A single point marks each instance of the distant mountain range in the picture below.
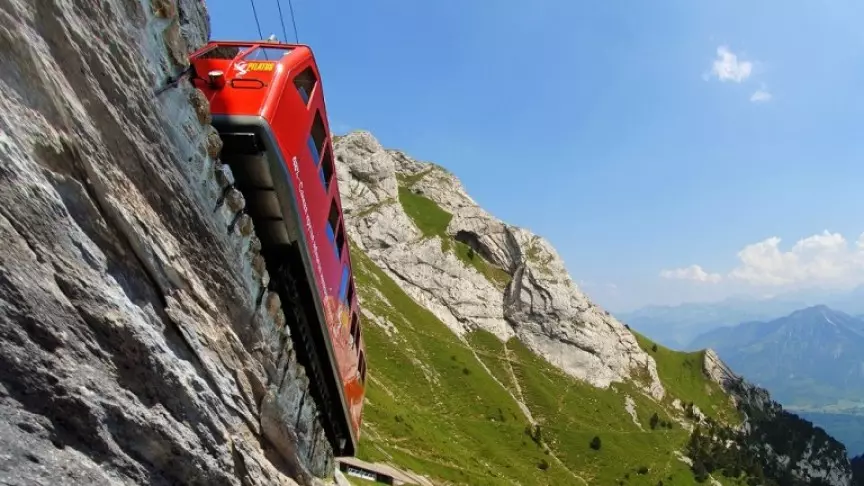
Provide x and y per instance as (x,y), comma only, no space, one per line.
(677,326)
(812,361)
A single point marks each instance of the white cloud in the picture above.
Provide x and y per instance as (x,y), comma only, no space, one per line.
(727,67)
(693,272)
(825,259)
(761,96)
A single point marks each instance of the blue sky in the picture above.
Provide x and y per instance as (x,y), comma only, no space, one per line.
(600,126)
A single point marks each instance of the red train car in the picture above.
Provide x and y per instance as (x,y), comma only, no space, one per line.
(268,105)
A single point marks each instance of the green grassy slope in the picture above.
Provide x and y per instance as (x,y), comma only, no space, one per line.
(447,407)
(434,408)
(432,221)
(431,407)
(681,374)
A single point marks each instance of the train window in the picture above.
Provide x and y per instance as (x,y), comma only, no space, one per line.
(362,367)
(333,223)
(326,170)
(223,52)
(331,235)
(313,149)
(336,229)
(316,137)
(305,82)
(350,298)
(354,335)
(267,54)
(340,239)
(344,286)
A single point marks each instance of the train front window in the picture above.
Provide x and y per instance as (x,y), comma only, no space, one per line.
(224,52)
(268,53)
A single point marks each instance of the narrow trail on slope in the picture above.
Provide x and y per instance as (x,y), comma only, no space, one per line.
(520,401)
(509,361)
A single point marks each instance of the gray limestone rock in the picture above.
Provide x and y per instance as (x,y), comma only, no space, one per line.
(541,305)
(136,342)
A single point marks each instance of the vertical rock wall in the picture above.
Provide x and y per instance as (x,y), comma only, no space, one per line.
(137,343)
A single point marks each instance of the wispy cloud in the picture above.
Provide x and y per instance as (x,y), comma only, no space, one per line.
(727,67)
(761,95)
(693,272)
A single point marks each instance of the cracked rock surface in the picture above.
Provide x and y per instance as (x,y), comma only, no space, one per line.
(137,345)
(540,305)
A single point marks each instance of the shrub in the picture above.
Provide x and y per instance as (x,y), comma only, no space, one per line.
(595,443)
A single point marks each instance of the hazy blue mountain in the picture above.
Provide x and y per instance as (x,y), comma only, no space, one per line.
(812,357)
(676,326)
(811,361)
(734,336)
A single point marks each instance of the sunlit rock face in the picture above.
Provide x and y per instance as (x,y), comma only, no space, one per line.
(136,346)
(540,304)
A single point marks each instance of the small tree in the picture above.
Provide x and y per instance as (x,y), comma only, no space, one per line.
(595,443)
(654,420)
(699,471)
(654,348)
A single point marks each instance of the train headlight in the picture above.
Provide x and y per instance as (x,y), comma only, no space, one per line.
(217,78)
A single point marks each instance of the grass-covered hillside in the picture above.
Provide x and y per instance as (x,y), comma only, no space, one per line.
(479,411)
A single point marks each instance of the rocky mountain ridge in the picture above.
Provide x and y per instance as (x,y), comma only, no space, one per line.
(416,223)
(790,449)
(533,298)
(811,362)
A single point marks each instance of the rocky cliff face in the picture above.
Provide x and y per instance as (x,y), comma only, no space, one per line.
(789,448)
(404,213)
(137,345)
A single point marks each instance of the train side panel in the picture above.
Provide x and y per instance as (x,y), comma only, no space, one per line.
(313,175)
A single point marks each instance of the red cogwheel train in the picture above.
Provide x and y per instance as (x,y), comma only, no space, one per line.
(267,103)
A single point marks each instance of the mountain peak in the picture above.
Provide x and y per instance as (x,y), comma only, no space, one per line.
(813,309)
(820,315)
